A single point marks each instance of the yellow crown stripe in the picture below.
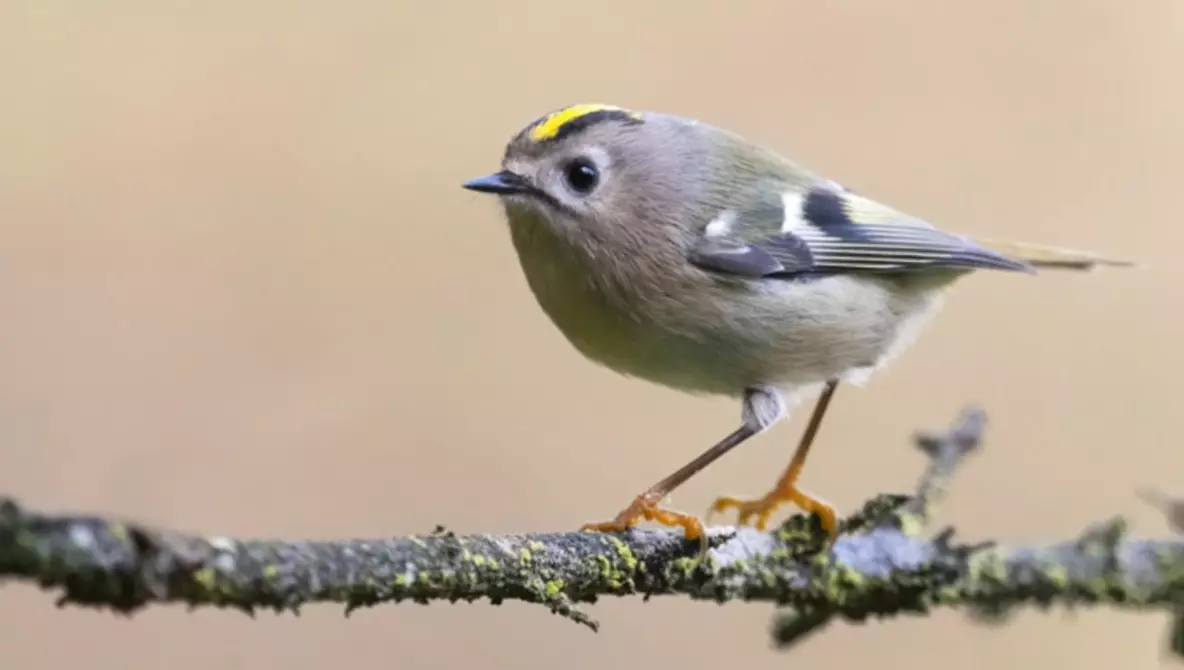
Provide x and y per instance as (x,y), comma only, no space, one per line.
(550,126)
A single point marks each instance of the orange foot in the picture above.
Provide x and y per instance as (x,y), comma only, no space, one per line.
(646,509)
(763,507)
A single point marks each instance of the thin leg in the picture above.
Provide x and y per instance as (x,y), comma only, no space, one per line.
(645,506)
(786,489)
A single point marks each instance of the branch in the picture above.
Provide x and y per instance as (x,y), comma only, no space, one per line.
(882,564)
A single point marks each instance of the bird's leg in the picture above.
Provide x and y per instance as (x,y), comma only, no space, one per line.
(646,506)
(762,408)
(786,489)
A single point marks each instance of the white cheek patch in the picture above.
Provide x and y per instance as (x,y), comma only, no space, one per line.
(793,217)
(720,225)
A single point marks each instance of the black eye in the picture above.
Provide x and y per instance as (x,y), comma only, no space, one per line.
(582,175)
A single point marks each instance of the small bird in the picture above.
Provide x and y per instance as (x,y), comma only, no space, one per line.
(677,252)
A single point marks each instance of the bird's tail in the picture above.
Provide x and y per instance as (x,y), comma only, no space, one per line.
(1058,258)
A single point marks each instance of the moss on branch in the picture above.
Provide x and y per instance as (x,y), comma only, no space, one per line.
(883,563)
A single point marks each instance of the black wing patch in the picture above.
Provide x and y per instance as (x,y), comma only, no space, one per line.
(831,230)
(741,259)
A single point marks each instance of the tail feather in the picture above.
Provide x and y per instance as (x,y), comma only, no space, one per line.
(1058,258)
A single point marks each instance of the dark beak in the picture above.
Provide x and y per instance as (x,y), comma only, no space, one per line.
(500,183)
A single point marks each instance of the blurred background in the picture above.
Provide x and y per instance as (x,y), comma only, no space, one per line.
(243,293)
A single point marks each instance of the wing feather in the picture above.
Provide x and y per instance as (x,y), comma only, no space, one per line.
(831,230)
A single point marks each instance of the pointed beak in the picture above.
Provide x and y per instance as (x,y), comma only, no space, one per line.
(499,183)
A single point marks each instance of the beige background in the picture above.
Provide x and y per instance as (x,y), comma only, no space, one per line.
(243,293)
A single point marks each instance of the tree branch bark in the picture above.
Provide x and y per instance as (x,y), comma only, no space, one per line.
(882,564)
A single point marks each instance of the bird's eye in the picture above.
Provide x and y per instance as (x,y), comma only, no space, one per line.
(582,175)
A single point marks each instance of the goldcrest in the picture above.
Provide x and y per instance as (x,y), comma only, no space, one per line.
(674,251)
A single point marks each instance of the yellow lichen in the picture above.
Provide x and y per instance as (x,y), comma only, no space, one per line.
(553,588)
(205,577)
(624,552)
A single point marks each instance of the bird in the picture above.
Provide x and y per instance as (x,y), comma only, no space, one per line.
(675,251)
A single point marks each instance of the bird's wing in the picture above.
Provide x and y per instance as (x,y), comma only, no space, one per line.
(828,229)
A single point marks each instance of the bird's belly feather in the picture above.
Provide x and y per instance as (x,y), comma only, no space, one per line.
(721,338)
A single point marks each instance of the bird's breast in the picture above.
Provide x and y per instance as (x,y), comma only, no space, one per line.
(705,334)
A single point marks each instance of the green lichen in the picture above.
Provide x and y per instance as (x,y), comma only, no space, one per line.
(681,569)
(1097,587)
(911,525)
(554,588)
(602,565)
(205,578)
(986,570)
(1058,575)
(947,594)
(613,578)
(270,572)
(625,552)
(839,580)
(769,579)
(1167,566)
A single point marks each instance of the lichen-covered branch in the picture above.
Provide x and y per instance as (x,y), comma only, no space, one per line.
(883,563)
